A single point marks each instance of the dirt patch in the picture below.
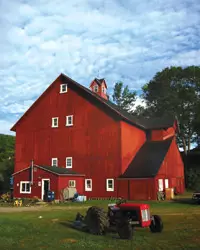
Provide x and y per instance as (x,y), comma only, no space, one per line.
(39,208)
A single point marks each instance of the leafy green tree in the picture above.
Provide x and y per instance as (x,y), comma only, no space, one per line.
(6,170)
(123,97)
(176,91)
(7,144)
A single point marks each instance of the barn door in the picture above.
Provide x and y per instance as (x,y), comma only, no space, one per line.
(45,188)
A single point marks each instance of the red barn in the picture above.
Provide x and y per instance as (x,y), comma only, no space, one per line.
(78,138)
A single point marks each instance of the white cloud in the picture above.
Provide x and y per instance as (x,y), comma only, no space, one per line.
(139,102)
(119,40)
(4,127)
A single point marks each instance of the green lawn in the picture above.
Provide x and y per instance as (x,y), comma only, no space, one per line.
(25,230)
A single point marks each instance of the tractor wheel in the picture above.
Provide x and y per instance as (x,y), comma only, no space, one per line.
(156,224)
(96,220)
(125,230)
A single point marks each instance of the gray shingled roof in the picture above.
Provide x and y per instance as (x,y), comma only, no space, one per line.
(59,170)
(148,160)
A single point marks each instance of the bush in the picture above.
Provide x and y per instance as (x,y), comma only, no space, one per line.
(6,197)
(193,177)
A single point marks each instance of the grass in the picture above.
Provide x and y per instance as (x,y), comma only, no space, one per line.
(27,231)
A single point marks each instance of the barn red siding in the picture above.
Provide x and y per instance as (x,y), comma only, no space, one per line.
(63,182)
(139,189)
(35,189)
(162,134)
(173,168)
(57,183)
(101,146)
(93,141)
(132,139)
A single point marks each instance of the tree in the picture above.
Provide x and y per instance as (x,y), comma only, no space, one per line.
(176,91)
(6,170)
(7,143)
(123,97)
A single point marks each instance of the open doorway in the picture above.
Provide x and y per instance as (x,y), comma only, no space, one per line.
(45,189)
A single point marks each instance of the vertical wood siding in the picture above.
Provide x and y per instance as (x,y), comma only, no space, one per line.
(173,168)
(132,139)
(93,141)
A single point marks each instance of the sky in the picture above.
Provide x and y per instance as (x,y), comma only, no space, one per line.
(119,40)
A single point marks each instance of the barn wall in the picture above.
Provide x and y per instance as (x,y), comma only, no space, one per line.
(140,189)
(132,139)
(162,134)
(93,141)
(63,182)
(173,169)
(35,189)
(57,183)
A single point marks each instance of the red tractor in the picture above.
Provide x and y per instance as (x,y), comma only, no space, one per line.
(121,217)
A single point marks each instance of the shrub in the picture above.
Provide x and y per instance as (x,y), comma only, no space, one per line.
(193,177)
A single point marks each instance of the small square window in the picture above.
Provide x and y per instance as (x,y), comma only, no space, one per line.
(110,185)
(63,88)
(72,183)
(88,184)
(69,120)
(54,162)
(69,162)
(55,122)
(25,187)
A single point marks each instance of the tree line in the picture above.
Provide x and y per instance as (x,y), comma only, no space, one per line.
(7,147)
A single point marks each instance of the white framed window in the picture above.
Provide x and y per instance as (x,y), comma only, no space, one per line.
(109,184)
(68,162)
(104,90)
(166,183)
(160,184)
(54,162)
(54,122)
(25,187)
(88,184)
(63,88)
(69,120)
(96,88)
(72,183)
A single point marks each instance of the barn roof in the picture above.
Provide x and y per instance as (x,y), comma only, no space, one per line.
(145,124)
(54,170)
(59,170)
(99,81)
(148,160)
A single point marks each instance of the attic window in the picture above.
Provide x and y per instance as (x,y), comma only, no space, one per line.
(96,88)
(104,90)
(63,88)
(54,122)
